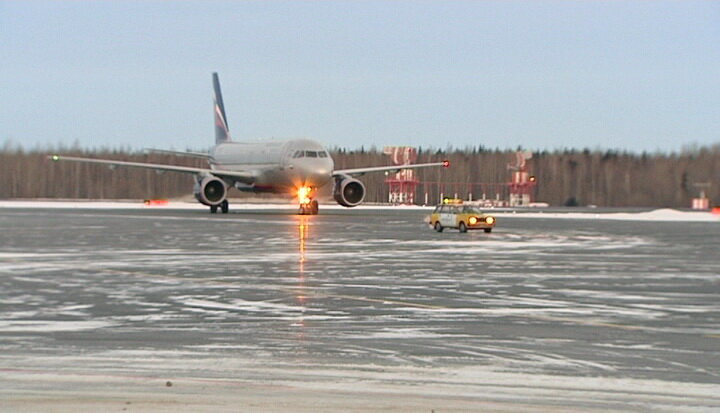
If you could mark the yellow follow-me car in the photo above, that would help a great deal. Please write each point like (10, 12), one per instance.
(462, 217)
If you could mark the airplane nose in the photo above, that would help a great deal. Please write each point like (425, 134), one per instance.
(316, 175)
(323, 170)
(319, 176)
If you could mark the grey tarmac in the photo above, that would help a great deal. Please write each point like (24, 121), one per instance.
(354, 310)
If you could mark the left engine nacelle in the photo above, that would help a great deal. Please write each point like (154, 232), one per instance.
(349, 192)
(210, 191)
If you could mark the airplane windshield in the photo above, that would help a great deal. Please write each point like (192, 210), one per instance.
(310, 154)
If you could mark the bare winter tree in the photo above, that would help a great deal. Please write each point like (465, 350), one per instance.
(564, 177)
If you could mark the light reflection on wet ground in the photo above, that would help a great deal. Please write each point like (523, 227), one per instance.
(636, 300)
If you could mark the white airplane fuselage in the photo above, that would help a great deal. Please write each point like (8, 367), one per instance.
(280, 166)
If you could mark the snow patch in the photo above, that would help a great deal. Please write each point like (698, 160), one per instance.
(50, 326)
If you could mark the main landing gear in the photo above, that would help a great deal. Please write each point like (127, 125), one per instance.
(224, 207)
(309, 208)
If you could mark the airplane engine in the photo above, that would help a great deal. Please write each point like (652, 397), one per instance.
(349, 192)
(210, 191)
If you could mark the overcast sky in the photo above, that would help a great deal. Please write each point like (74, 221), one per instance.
(542, 75)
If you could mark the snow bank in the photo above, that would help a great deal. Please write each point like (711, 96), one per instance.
(664, 214)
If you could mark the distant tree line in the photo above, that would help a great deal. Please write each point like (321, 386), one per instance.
(564, 177)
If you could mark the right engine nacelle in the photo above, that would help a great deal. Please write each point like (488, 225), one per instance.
(349, 192)
(210, 191)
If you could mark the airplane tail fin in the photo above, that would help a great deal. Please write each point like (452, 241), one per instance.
(222, 133)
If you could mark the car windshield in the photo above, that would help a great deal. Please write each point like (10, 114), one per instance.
(471, 210)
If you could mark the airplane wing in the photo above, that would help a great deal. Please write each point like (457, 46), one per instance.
(242, 176)
(203, 155)
(391, 168)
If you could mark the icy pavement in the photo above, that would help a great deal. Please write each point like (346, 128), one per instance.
(615, 214)
(364, 309)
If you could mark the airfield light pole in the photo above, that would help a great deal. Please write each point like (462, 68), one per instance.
(403, 183)
(701, 202)
(522, 183)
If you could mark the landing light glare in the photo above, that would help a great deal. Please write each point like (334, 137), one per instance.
(303, 194)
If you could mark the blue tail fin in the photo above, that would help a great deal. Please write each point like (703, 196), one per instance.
(222, 133)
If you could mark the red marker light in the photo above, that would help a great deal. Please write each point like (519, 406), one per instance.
(446, 164)
(155, 202)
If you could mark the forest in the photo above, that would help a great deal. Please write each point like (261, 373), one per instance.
(564, 177)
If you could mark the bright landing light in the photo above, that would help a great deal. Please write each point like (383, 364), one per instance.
(303, 194)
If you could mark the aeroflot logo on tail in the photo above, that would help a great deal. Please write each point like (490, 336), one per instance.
(219, 121)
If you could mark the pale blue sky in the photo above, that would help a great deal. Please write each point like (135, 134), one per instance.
(544, 75)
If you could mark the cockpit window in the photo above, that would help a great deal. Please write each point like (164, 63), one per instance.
(310, 154)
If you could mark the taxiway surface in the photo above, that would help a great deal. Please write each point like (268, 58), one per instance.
(262, 310)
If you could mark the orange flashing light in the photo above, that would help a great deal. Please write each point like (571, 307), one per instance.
(452, 201)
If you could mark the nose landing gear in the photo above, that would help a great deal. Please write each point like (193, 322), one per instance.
(309, 208)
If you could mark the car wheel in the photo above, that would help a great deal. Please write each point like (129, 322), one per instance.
(488, 230)
(462, 227)
(438, 226)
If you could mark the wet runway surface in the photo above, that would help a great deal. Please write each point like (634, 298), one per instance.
(358, 298)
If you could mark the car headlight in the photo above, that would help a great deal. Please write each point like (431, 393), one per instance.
(490, 220)
(473, 220)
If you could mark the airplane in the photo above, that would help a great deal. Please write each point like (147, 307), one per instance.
(296, 166)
